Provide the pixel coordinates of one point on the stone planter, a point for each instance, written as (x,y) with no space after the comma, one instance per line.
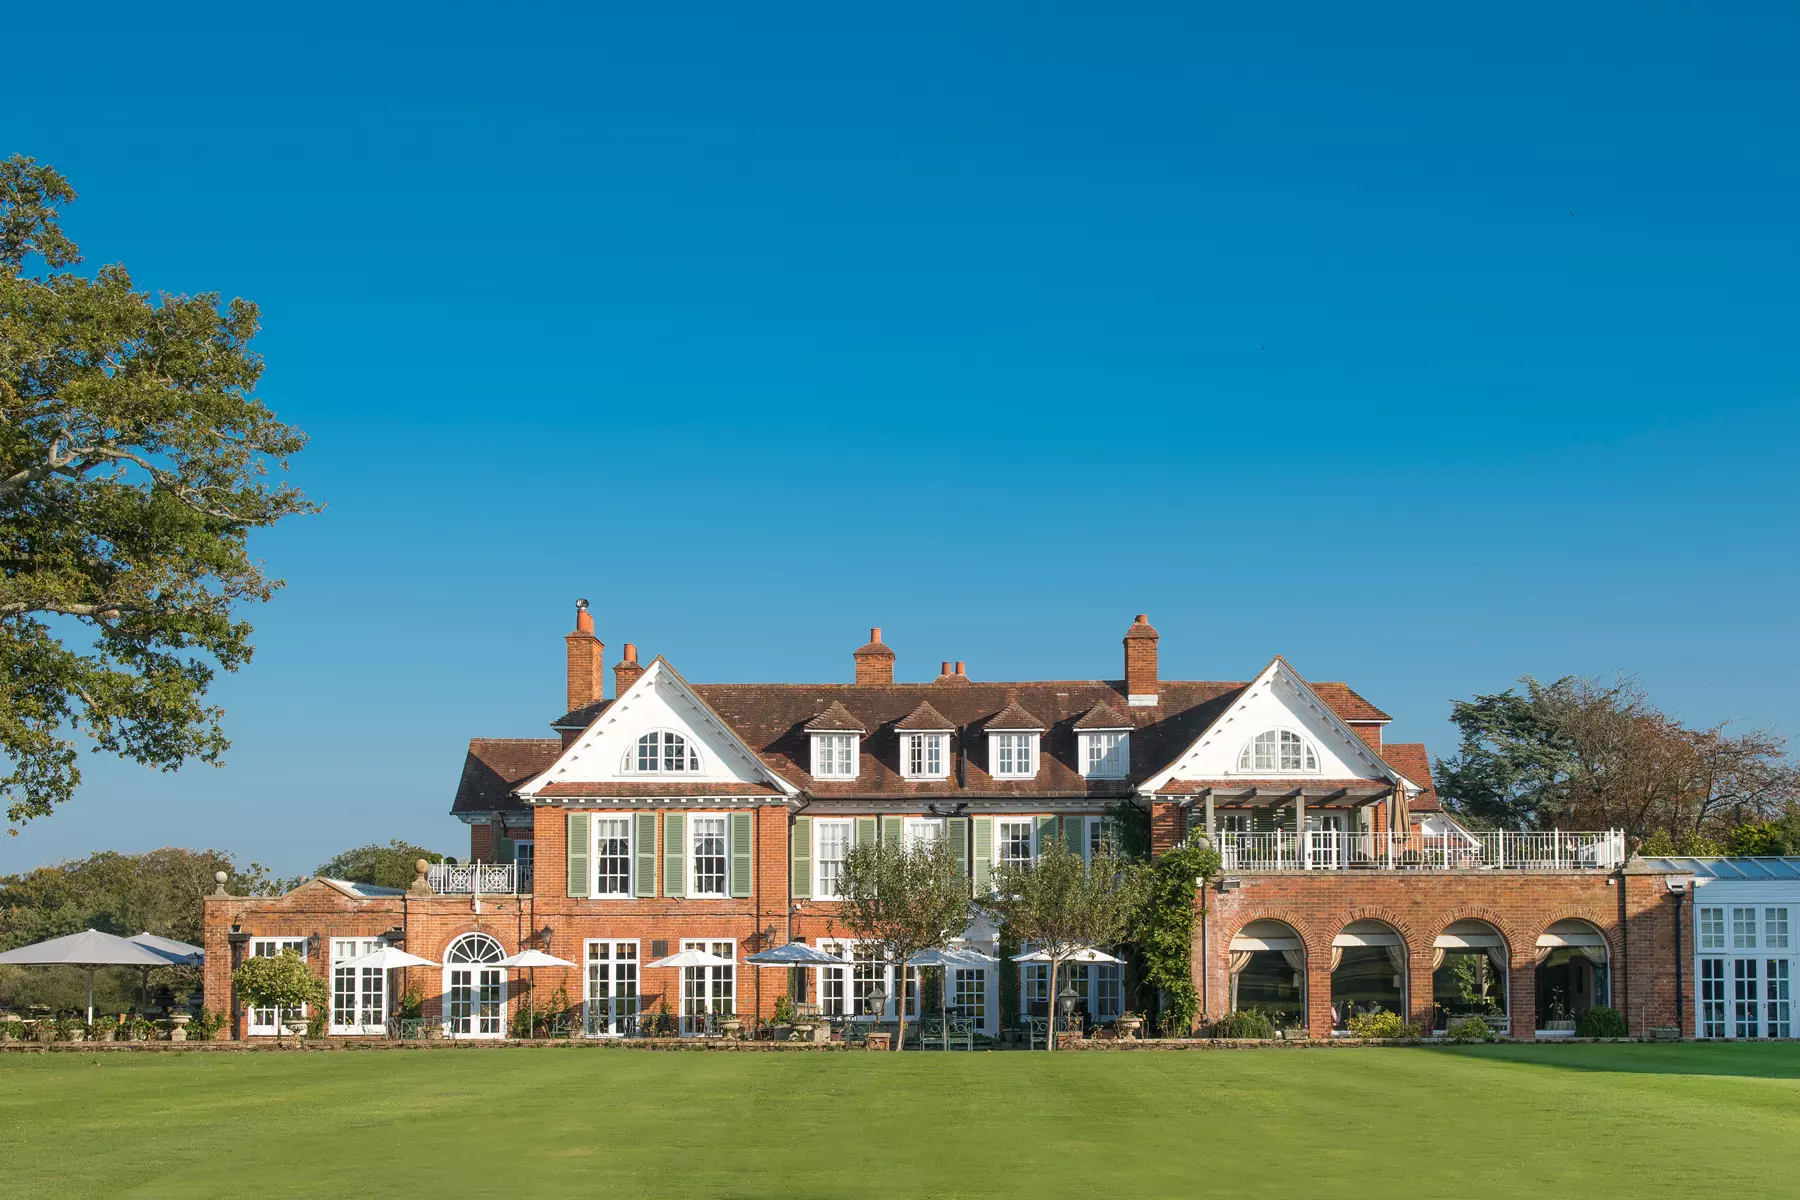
(104,1033)
(178,1027)
(1130,1028)
(434,1033)
(1295,1034)
(44,1033)
(732,1027)
(782,1032)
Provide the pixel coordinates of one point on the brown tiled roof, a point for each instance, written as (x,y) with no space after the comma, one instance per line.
(1345,703)
(1411,760)
(923,717)
(1102,716)
(495,766)
(1013,717)
(837,717)
(657,789)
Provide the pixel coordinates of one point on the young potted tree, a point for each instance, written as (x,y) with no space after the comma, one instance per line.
(281,982)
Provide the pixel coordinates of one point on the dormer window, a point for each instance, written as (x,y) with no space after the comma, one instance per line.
(662,751)
(834,755)
(1278,750)
(925,755)
(1105,754)
(1013,755)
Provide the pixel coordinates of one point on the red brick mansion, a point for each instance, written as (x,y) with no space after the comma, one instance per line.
(674,816)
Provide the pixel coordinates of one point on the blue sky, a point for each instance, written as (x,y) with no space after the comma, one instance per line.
(1428,346)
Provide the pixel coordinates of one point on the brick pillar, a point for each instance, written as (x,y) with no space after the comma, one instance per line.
(1418,990)
(1521,997)
(1318,991)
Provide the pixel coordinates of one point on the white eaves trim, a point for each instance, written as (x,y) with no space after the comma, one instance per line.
(1279,675)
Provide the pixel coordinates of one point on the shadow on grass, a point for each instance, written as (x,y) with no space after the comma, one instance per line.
(1756,1060)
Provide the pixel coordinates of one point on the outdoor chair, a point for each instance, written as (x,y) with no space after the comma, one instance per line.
(1037,1033)
(961,1030)
(856,1033)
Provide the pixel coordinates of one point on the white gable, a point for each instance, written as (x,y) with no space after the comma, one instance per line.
(660,700)
(1275,699)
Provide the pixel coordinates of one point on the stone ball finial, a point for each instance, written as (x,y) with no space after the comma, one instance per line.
(419,886)
(421,866)
(219,878)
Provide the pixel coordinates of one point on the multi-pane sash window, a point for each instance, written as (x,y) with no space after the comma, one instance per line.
(970,993)
(1744,1008)
(708,857)
(612,856)
(1278,750)
(832,985)
(1780,1003)
(1012,842)
(834,755)
(1105,755)
(1712,996)
(870,969)
(1775,928)
(832,844)
(269,1020)
(525,861)
(1712,929)
(924,831)
(1013,756)
(924,755)
(1034,988)
(612,988)
(1103,837)
(666,751)
(1743,929)
(358,994)
(1109,992)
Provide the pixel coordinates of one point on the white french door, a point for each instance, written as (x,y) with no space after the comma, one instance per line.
(1745,1009)
(269,1022)
(474,988)
(612,987)
(358,994)
(707,990)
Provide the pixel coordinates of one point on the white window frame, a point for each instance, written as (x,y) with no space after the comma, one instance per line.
(1017,741)
(1711,927)
(268,1022)
(924,745)
(920,831)
(820,890)
(594,856)
(846,948)
(614,1022)
(825,760)
(1709,999)
(1102,832)
(476,970)
(693,856)
(1000,839)
(1775,927)
(342,950)
(1743,926)
(522,873)
(691,762)
(1035,976)
(1114,763)
(1247,753)
(710,980)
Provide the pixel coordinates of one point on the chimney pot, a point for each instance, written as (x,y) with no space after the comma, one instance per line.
(875,634)
(626,670)
(586,654)
(959,667)
(630,652)
(945,670)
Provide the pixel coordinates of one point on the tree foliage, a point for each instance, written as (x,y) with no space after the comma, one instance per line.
(1591,754)
(392,865)
(134,462)
(906,899)
(1060,904)
(279,981)
(1164,931)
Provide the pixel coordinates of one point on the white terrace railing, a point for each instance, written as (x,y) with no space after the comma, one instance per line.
(1328,850)
(465,879)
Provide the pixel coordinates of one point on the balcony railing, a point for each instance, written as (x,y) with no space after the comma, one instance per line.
(465,879)
(1329,850)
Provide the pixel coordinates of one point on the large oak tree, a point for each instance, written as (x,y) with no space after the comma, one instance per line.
(135,460)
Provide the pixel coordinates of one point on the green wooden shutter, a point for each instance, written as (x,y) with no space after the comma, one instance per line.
(578,832)
(865,831)
(1075,835)
(645,883)
(674,854)
(740,854)
(800,859)
(1046,833)
(956,829)
(984,855)
(890,831)
(503,849)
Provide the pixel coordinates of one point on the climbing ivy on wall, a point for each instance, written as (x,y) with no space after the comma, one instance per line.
(1165,932)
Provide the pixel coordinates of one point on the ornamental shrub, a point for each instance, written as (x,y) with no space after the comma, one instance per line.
(1469,1029)
(1601,1022)
(1251,1024)
(1381,1025)
(203,1027)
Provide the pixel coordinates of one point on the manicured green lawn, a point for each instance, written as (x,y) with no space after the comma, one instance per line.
(1542,1121)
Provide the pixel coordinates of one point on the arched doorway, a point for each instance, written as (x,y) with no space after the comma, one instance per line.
(474,988)
(1268,972)
(1471,976)
(1574,974)
(1368,972)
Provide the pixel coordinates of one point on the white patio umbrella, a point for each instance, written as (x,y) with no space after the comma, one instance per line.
(943,958)
(388,958)
(1086,954)
(91,949)
(531,960)
(691,958)
(185,953)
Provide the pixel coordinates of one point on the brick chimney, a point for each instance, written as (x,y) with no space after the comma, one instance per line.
(1140,663)
(875,660)
(587,683)
(626,670)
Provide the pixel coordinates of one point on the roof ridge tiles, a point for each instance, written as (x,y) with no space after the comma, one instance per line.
(924,717)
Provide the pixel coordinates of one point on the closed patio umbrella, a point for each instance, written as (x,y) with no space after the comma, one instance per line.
(90,948)
(531,960)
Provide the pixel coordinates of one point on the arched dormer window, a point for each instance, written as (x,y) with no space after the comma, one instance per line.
(662,751)
(1278,750)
